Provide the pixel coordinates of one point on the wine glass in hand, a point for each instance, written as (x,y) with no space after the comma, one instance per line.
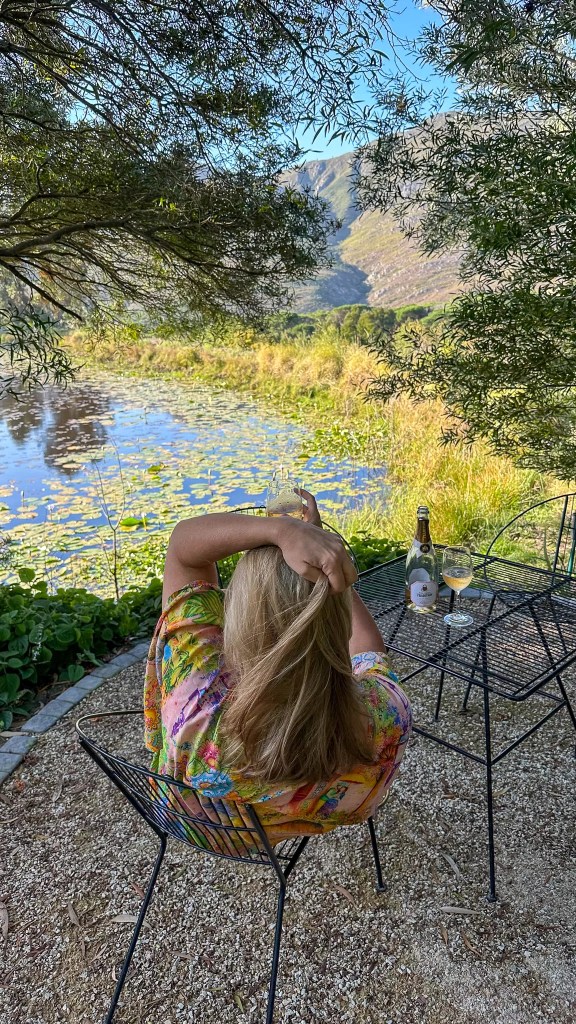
(457,572)
(283,496)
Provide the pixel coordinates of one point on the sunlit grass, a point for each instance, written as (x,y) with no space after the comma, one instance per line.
(470,492)
(323,381)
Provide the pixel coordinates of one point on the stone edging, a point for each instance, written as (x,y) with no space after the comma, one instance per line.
(15,749)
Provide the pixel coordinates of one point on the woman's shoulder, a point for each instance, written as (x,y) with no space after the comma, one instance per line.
(371,665)
(199,602)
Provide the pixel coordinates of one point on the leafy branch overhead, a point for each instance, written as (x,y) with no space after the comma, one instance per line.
(142,147)
(496,181)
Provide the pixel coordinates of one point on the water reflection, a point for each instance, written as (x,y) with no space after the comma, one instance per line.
(60,421)
(166,449)
(22,416)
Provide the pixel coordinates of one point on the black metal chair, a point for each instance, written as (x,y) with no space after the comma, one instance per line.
(260,510)
(542,537)
(220,828)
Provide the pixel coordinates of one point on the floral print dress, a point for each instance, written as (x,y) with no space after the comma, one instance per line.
(185,690)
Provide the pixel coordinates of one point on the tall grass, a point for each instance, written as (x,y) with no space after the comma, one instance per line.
(471,493)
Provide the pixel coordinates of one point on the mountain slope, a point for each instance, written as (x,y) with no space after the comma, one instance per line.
(374,263)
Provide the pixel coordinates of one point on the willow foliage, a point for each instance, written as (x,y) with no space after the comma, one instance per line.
(496,180)
(142,146)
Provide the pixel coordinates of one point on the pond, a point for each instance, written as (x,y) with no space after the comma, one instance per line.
(146,453)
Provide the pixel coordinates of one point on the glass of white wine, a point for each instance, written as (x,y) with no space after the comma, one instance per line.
(457,572)
(282,497)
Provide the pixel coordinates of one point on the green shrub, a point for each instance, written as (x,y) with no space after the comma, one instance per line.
(48,638)
(370,551)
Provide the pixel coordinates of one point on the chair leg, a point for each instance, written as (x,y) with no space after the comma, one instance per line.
(489,799)
(136,932)
(442,673)
(276,954)
(464,706)
(569,707)
(380,884)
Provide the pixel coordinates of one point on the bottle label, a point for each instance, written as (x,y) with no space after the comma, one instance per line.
(422,547)
(423,593)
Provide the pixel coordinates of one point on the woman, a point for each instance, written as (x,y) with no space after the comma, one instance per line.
(277,692)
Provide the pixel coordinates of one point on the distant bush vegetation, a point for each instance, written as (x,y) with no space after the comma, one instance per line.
(357,324)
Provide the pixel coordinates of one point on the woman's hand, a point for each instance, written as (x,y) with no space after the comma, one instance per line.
(311,552)
(197,544)
(311,513)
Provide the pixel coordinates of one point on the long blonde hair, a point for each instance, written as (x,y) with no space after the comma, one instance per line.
(294,713)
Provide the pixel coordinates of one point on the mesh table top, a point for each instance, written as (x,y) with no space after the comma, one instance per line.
(523,634)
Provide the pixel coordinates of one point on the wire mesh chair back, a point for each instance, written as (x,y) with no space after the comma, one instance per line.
(226,566)
(543,536)
(221,828)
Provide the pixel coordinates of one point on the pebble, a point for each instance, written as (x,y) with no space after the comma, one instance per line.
(208,934)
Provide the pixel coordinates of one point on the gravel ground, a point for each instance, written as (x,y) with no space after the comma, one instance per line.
(74,856)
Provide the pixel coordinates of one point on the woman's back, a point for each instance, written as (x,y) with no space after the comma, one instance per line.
(246,725)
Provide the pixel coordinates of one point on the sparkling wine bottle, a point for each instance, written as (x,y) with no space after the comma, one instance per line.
(421,568)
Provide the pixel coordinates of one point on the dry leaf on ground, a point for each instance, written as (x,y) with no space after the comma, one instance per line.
(450,860)
(125,918)
(457,910)
(469,945)
(73,915)
(344,892)
(449,794)
(4,921)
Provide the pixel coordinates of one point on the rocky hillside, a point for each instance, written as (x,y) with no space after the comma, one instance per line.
(374,263)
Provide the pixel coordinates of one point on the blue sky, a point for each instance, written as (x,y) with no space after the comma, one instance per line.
(407,22)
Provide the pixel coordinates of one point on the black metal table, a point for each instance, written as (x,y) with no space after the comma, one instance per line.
(521,641)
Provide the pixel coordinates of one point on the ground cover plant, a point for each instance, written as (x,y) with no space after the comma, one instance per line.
(47,638)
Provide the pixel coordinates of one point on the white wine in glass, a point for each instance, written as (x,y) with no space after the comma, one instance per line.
(457,572)
(282,498)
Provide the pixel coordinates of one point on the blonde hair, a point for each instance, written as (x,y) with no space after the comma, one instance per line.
(294,713)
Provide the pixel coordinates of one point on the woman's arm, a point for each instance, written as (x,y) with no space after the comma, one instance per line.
(365,632)
(197,544)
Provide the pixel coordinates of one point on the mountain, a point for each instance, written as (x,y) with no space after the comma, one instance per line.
(374,264)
